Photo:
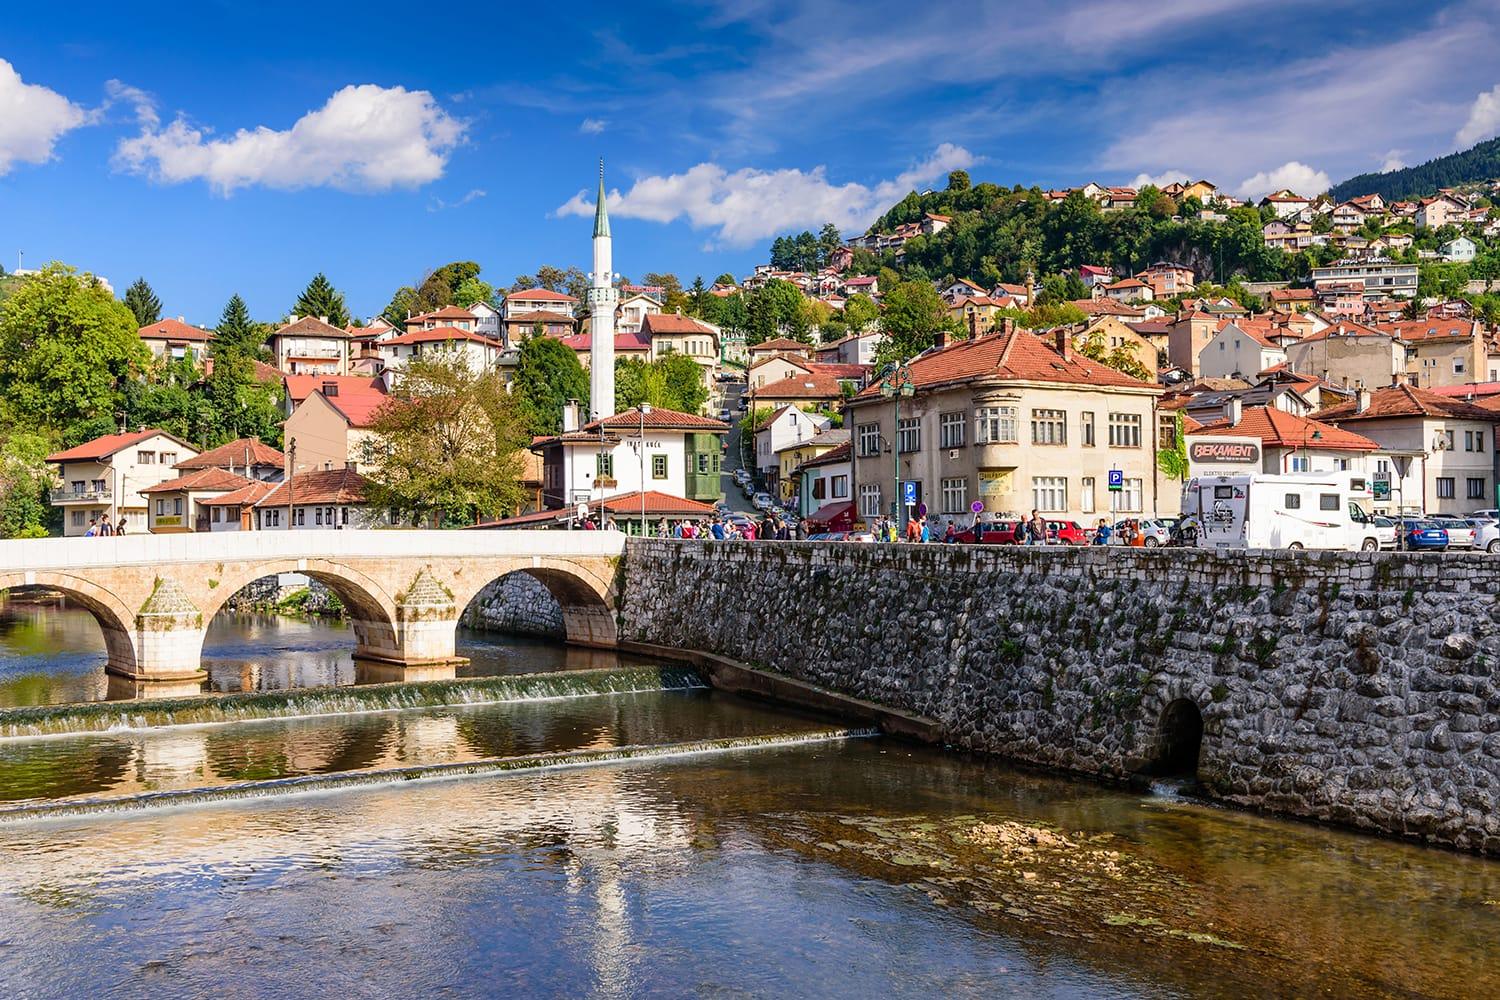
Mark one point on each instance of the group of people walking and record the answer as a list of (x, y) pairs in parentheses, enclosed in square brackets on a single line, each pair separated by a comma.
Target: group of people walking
[(103, 526)]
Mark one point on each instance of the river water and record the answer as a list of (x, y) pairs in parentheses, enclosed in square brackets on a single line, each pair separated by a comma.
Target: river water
[(621, 831)]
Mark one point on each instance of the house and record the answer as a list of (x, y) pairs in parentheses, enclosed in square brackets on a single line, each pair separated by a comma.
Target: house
[(529, 300), (1202, 190), (677, 454), (486, 320), (1438, 452), (673, 333), (1110, 307), (296, 388), (1015, 422), (1441, 352), (780, 345), (785, 426), (235, 510), (627, 345), (977, 313), (1117, 198), (1458, 251), (174, 340), (632, 312), (321, 499), (1168, 280), (331, 427), (249, 457), (1290, 443), (1091, 275), (855, 349), (309, 345), (1285, 203), (439, 343), (106, 476), (1113, 334), (178, 505), (1379, 277), (1439, 211), (1240, 349), (454, 317), (1129, 290), (791, 457), (1191, 332), (811, 390), (963, 288), (1301, 299), (516, 327), (823, 488), (1349, 354), (776, 368), (1348, 217)]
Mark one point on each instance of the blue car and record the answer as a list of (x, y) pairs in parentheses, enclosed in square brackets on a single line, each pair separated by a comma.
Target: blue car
[(1418, 534)]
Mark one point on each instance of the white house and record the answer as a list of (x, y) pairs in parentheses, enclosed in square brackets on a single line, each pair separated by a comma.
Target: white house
[(106, 476), (1236, 352), (1458, 251), (632, 312), (309, 345), (478, 351), (787, 426), (322, 499)]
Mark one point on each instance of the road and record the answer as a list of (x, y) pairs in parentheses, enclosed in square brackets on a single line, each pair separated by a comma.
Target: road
[(733, 496)]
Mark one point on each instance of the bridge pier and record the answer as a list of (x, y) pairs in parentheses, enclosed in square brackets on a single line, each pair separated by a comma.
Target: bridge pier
[(168, 647)]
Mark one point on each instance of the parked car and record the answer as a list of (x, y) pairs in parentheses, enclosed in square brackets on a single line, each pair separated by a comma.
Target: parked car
[(1485, 515), (1461, 532), (994, 533), (763, 501), (726, 416), (1385, 530), (1155, 531), (1486, 534), (1068, 533), (1418, 533)]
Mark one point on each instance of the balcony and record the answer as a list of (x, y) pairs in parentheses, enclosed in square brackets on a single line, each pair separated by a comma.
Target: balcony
[(81, 496)]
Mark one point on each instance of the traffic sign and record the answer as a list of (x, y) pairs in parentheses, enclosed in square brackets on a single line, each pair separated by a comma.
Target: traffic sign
[(909, 492), (1116, 480), (977, 506)]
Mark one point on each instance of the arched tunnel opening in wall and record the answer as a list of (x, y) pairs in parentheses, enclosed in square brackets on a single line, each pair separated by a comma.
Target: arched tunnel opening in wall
[(536, 619), (516, 604), (1179, 741)]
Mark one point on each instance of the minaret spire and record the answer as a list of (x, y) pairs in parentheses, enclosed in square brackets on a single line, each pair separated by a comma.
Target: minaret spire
[(601, 213), (603, 299)]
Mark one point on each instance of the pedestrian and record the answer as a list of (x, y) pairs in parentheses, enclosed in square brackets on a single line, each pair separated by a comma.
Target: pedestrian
[(913, 530), (1037, 529), (1102, 533), (926, 534), (120, 528), (951, 535), (1137, 536), (93, 528), (590, 526), (105, 528), (717, 530)]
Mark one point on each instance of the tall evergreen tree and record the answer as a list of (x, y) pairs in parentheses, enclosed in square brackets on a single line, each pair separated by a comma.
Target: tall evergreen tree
[(321, 299), (142, 301), (237, 333)]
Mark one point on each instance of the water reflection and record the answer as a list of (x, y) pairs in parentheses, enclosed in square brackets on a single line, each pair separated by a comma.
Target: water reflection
[(52, 653)]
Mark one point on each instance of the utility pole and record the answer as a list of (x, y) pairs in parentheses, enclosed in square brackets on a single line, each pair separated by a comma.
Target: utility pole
[(291, 472)]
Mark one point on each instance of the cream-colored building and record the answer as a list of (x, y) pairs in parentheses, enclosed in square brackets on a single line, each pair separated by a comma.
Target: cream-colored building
[(1442, 352), (1113, 334), (106, 476), (1350, 354), (309, 345), (1236, 352), (1014, 423), (672, 333), (1190, 333), (331, 428)]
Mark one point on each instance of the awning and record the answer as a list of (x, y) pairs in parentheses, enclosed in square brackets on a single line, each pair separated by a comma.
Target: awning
[(834, 516)]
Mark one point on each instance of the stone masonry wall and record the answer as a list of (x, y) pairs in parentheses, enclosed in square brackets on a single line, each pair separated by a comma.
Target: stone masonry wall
[(519, 604), (1358, 688)]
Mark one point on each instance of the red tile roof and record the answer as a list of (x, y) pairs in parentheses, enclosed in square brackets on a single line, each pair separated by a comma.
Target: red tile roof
[(311, 326), (672, 323), (627, 342), (103, 447), (1408, 401), (447, 312), (1344, 328), (358, 408), (813, 385), (659, 418), (542, 316), (299, 387), (1107, 307), (321, 486), (1430, 329), (1018, 356), (540, 295), (245, 451), (171, 329), (246, 496), (831, 457), (202, 479), (842, 371), (1279, 429), (780, 344), (440, 335)]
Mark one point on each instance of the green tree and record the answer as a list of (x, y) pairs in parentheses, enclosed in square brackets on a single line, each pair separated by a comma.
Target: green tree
[(547, 376), (725, 279), (451, 440), (1121, 359), (698, 297), (237, 333), (66, 347), (674, 299), (143, 303), (860, 311), (671, 382), (958, 180), (25, 479), (321, 299), (472, 290), (1172, 458), (913, 314)]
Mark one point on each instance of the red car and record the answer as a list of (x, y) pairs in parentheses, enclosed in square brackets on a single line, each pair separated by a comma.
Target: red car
[(1068, 533), (995, 533)]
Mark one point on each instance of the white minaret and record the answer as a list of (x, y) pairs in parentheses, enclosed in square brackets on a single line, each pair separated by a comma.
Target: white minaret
[(602, 301)]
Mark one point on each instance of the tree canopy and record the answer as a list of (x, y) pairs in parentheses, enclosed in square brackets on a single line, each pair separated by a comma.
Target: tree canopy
[(671, 382), (143, 303), (320, 299), (914, 312), (547, 376), (1477, 163)]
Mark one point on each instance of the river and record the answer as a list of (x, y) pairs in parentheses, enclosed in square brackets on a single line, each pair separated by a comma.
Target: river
[(618, 830)]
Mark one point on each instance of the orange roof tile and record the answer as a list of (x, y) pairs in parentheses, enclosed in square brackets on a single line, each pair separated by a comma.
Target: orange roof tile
[(103, 447), (440, 334), (320, 486), (171, 329), (1408, 401), (1279, 429), (251, 451), (672, 323), (311, 326), (246, 496), (202, 479), (813, 385), (299, 387), (540, 295)]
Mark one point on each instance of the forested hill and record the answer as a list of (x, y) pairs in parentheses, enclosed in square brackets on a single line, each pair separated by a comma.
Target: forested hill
[(1480, 163)]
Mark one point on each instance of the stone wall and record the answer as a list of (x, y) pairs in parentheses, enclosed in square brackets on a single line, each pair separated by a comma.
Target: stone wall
[(519, 604), (1354, 688)]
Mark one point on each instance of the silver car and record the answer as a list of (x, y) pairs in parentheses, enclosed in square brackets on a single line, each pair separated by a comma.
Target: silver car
[(1486, 534), (1462, 533), (1156, 532)]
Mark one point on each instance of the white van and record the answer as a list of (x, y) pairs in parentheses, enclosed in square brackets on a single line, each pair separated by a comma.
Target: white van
[(1305, 510)]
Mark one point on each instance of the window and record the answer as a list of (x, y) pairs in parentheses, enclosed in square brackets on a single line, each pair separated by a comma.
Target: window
[(1049, 493), (217, 512), (658, 467), (1301, 463), (1124, 430), (169, 458), (955, 495), (1458, 366), (1088, 429), (1473, 440), (1131, 495), (273, 517), (951, 430), (819, 489), (1448, 437), (77, 485), (605, 467), (328, 516), (1293, 501), (346, 515), (995, 425), (318, 517), (869, 500), (1475, 487), (1166, 430), (97, 485), (1049, 427), (1328, 501), (145, 458), (1445, 487), (909, 434), (177, 506), (840, 488), (161, 507), (1086, 496), (78, 519), (301, 515), (702, 465), (869, 440)]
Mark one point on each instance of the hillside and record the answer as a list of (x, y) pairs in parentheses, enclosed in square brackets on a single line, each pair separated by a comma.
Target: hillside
[(1475, 165)]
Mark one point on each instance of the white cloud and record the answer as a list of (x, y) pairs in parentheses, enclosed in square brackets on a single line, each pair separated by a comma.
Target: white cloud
[(438, 204), (366, 138), (32, 119), (1294, 176), (1484, 119), (750, 204), (1392, 161), (118, 92), (592, 126), (1162, 179)]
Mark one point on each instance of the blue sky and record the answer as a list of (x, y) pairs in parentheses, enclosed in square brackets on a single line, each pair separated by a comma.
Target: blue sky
[(219, 148)]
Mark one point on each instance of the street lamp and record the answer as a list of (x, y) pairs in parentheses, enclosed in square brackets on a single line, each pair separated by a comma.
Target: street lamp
[(895, 385), (645, 409), (1316, 436)]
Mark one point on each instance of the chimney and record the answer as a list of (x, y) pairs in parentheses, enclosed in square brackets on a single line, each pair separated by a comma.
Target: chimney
[(1398, 378), (940, 339), (352, 466), (1005, 324), (1361, 399), (1064, 342), (1234, 409), (570, 416), (291, 318), (330, 389)]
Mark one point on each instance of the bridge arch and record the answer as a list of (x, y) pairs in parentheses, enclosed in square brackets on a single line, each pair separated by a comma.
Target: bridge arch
[(587, 598), (116, 620), (372, 611)]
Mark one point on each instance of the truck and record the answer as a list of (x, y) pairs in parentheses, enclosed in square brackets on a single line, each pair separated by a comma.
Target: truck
[(1302, 510)]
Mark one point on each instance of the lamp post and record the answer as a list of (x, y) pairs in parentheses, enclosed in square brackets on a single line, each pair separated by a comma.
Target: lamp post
[(895, 385), (1316, 436), (645, 409)]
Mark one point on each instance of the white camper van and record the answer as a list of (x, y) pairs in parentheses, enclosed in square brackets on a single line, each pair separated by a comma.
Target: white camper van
[(1305, 510)]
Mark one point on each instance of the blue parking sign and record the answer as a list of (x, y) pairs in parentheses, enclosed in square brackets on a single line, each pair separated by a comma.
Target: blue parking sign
[(1116, 479), (909, 492)]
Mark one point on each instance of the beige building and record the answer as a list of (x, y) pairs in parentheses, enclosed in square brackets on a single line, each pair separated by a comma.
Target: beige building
[(1114, 333), (106, 476), (331, 428), (1239, 352), (1442, 352), (173, 340), (1012, 422), (1437, 453), (1190, 334), (1349, 354), (309, 345)]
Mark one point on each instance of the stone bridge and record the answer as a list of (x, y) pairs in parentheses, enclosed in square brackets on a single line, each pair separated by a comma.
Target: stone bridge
[(154, 595)]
